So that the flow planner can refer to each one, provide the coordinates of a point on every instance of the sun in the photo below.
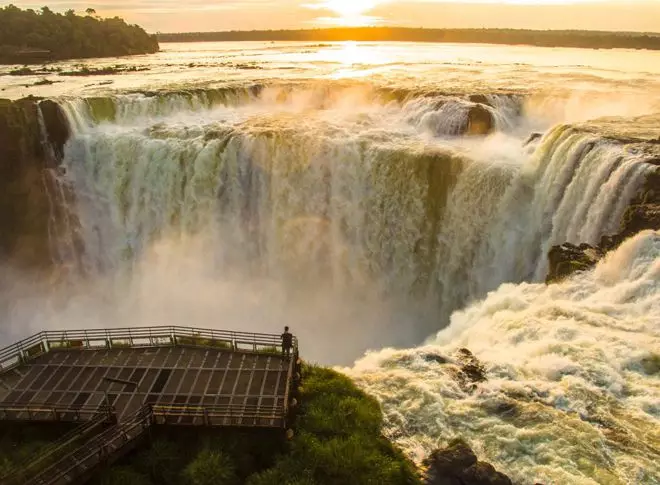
(349, 9)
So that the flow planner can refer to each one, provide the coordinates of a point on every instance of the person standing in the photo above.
(287, 343)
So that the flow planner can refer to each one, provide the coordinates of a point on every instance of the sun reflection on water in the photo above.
(356, 59)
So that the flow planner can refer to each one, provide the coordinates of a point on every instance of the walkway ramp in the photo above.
(78, 459)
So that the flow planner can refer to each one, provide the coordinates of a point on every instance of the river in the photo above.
(386, 201)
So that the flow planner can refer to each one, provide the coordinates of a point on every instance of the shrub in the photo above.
(122, 475)
(162, 462)
(211, 468)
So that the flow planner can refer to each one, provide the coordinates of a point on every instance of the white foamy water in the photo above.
(572, 395)
(347, 186)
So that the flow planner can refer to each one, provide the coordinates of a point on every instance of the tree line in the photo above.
(46, 35)
(542, 38)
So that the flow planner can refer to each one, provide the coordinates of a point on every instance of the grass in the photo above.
(337, 440)
(204, 342)
(270, 350)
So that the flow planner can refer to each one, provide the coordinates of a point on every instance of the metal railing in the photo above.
(105, 446)
(27, 470)
(46, 412)
(219, 415)
(36, 345)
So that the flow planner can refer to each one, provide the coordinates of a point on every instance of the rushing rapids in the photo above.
(371, 215)
(572, 392)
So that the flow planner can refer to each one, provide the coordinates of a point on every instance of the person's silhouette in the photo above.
(287, 342)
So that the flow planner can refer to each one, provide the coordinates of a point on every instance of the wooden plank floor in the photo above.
(168, 376)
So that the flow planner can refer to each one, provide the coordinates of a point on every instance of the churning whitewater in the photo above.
(370, 215)
(301, 186)
(572, 394)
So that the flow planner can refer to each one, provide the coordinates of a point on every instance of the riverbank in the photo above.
(28, 37)
(539, 38)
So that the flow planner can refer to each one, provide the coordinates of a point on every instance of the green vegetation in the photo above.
(544, 38)
(21, 444)
(196, 340)
(337, 440)
(30, 36)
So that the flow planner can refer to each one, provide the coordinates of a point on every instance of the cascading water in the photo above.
(299, 188)
(572, 394)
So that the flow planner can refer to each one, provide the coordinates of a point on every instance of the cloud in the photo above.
(204, 15)
(156, 6)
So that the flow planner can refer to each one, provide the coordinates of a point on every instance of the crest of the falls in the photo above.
(572, 392)
(343, 188)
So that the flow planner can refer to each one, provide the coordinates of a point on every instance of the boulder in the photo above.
(480, 120)
(643, 213)
(568, 259)
(532, 138)
(480, 99)
(458, 465)
(434, 358)
(56, 125)
(472, 372)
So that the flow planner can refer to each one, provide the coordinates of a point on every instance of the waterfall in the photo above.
(62, 222)
(501, 222)
(293, 186)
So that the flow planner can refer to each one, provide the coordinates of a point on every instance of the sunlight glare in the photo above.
(350, 8)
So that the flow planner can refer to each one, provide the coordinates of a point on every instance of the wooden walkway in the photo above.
(119, 383)
(190, 377)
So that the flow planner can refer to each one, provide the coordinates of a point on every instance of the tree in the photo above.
(64, 36)
(90, 11)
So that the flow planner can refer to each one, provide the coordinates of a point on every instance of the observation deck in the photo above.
(117, 384)
(189, 377)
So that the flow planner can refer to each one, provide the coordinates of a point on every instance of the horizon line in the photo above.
(395, 27)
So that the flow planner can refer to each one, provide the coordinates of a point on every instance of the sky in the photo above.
(219, 15)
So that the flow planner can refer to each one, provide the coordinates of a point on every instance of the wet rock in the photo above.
(480, 99)
(25, 204)
(651, 364)
(471, 372)
(438, 359)
(643, 213)
(57, 126)
(480, 120)
(532, 138)
(569, 259)
(503, 409)
(458, 465)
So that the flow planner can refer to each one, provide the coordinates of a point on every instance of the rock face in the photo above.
(642, 214)
(25, 205)
(480, 121)
(458, 465)
(56, 125)
(568, 259)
